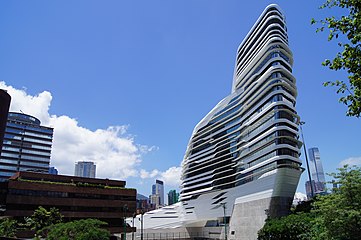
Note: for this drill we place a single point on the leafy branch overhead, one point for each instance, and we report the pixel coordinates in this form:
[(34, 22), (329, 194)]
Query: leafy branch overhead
[(349, 58)]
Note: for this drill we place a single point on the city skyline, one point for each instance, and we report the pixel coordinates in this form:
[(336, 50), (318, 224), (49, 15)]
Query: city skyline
[(139, 109)]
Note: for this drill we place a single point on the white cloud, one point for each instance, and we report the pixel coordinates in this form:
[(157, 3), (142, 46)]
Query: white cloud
[(145, 174), (115, 153), (300, 196), (351, 161), (170, 177), (146, 149), (37, 106)]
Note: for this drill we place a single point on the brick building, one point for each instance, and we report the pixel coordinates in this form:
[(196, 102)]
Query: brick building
[(75, 197)]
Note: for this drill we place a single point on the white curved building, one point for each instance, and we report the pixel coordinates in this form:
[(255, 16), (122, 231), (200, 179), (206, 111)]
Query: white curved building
[(242, 160)]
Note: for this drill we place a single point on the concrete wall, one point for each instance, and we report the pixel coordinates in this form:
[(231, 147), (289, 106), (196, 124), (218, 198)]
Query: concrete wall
[(249, 217)]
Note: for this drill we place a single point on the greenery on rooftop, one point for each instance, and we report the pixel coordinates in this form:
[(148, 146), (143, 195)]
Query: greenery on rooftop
[(77, 184)]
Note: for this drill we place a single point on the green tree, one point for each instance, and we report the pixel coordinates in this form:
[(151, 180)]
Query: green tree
[(85, 229), (336, 216), (43, 218), (292, 227), (339, 214), (8, 227), (349, 58)]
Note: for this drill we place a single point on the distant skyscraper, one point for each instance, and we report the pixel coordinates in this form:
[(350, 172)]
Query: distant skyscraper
[(154, 189), (4, 110), (157, 196), (160, 191), (173, 197), (154, 200), (318, 175), (85, 169), (26, 146), (53, 170)]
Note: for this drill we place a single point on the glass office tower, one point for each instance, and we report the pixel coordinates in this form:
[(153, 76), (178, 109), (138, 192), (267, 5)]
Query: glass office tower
[(157, 196), (26, 145), (317, 173)]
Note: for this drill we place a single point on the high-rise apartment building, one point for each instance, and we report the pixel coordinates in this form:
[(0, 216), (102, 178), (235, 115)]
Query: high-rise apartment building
[(317, 173), (26, 146), (85, 169), (242, 161)]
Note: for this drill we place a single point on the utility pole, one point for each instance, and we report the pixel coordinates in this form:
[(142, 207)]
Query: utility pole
[(224, 220), (134, 215), (141, 224), (125, 208)]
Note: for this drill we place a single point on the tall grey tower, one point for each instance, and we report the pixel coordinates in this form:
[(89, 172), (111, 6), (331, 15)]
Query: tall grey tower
[(157, 196), (317, 173)]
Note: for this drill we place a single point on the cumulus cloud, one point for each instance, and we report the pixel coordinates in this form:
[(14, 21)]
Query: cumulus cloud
[(115, 152), (34, 105), (146, 149), (299, 197), (351, 161), (145, 174), (171, 177)]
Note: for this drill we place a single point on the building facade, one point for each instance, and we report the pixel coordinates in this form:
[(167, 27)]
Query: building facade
[(85, 169), (53, 170), (26, 145), (157, 197), (75, 197), (5, 100), (242, 161), (173, 197), (144, 204)]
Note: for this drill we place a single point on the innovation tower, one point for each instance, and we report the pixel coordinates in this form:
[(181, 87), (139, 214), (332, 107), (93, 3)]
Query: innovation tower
[(242, 161)]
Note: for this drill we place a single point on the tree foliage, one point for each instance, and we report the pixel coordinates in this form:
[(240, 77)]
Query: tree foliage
[(349, 58), (292, 227), (43, 218), (85, 229), (339, 213), (336, 216), (8, 227)]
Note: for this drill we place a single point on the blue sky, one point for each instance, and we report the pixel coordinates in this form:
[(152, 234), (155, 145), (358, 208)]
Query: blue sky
[(143, 73)]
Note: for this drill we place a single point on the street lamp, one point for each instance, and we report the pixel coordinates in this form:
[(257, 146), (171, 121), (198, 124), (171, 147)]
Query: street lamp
[(224, 220), (133, 226), (308, 167), (125, 208)]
